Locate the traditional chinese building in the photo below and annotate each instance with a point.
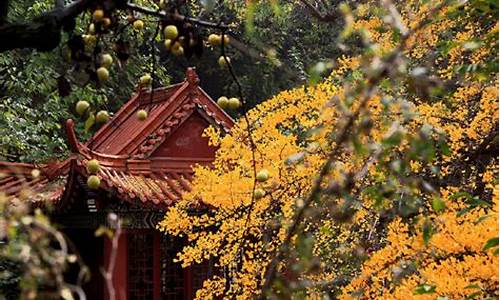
(146, 166)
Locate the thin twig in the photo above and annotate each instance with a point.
(153, 59)
(108, 272)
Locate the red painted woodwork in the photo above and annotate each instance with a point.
(168, 107)
(147, 161)
(187, 141)
(157, 265)
(48, 186)
(172, 279)
(120, 271)
(188, 283)
(141, 265)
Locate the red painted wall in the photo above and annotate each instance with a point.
(187, 141)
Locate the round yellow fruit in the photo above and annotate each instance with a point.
(98, 15)
(171, 32)
(142, 115)
(138, 25)
(263, 175)
(102, 74)
(106, 22)
(222, 61)
(81, 107)
(177, 49)
(93, 166)
(162, 4)
(214, 39)
(93, 182)
(35, 173)
(234, 103)
(89, 39)
(168, 44)
(92, 29)
(102, 117)
(145, 79)
(226, 39)
(259, 193)
(223, 102)
(106, 60)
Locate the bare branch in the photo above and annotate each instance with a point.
(59, 3)
(108, 272)
(44, 32)
(174, 16)
(323, 17)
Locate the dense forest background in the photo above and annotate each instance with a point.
(273, 48)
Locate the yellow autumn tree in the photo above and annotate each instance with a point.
(383, 178)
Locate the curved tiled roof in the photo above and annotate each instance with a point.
(33, 181)
(124, 146)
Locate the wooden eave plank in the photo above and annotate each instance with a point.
(182, 181)
(166, 192)
(172, 185)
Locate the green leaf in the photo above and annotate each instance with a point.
(249, 19)
(208, 5)
(427, 231)
(445, 148)
(473, 286)
(493, 242)
(473, 203)
(460, 195)
(326, 230)
(393, 140)
(424, 289)
(438, 205)
(482, 218)
(473, 295)
(89, 122)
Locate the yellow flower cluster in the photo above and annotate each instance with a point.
(292, 134)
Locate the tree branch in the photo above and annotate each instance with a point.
(323, 17)
(44, 32)
(59, 3)
(4, 10)
(343, 136)
(175, 16)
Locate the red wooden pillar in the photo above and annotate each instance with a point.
(188, 283)
(120, 271)
(157, 264)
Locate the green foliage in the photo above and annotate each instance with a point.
(282, 52)
(10, 272)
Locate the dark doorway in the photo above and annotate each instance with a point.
(91, 250)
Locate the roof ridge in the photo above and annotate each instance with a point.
(153, 120)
